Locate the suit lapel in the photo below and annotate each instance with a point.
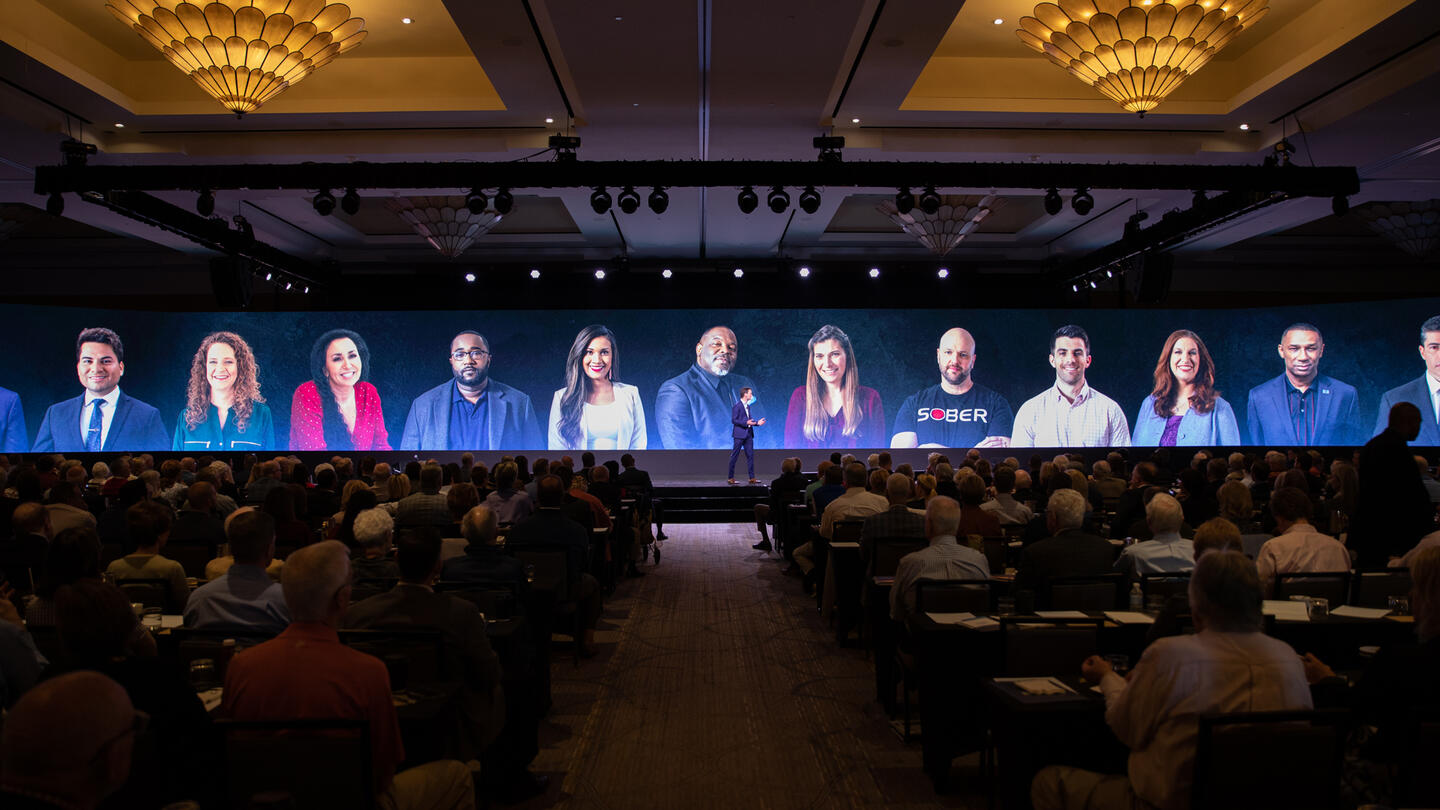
(117, 425)
(440, 417)
(496, 426)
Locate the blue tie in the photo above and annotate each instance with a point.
(97, 423)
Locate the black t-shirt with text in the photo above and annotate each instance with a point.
(951, 420)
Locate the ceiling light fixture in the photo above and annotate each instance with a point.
(629, 200)
(445, 222)
(1244, 127)
(1053, 203)
(778, 200)
(475, 201)
(534, 272)
(1082, 202)
(504, 202)
(119, 125)
(1139, 54)
(600, 273)
(854, 120)
(549, 120)
(874, 272)
(659, 200)
(929, 200)
(350, 203)
(804, 272)
(324, 202)
(739, 272)
(666, 273)
(904, 200)
(470, 277)
(809, 200)
(999, 21)
(943, 272)
(205, 203)
(748, 200)
(236, 52)
(955, 218)
(600, 200)
(406, 20)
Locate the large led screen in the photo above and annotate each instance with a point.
(672, 379)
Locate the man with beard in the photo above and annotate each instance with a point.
(1070, 413)
(958, 412)
(693, 410)
(1303, 407)
(471, 411)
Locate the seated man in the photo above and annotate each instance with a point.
(306, 672)
(944, 558)
(245, 597)
(374, 530)
(510, 505)
(783, 491)
(1069, 551)
(1228, 665)
(148, 524)
(67, 743)
(1010, 511)
(857, 502)
(485, 563)
(1168, 552)
(426, 507)
(897, 522)
(1297, 546)
(197, 522)
(22, 556)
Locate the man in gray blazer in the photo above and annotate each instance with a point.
(471, 411)
(1423, 393)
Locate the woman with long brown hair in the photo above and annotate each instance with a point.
(832, 409)
(1184, 409)
(224, 409)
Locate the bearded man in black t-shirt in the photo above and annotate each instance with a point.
(958, 412)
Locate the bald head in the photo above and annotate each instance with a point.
(67, 737)
(316, 582)
(956, 357)
(942, 517)
(898, 489)
(717, 351)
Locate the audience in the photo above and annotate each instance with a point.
(485, 562)
(1393, 509)
(899, 522)
(943, 559)
(73, 555)
(374, 532)
(974, 520)
(196, 522)
(549, 526)
(1009, 511)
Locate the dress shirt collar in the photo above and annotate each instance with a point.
(942, 540)
(1167, 537)
(110, 398)
(1080, 398)
(1429, 378)
(705, 374)
(456, 396)
(247, 571)
(1303, 527)
(1291, 389)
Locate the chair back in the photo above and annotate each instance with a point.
(1332, 585)
(191, 556)
(952, 595)
(846, 531)
(995, 549)
(420, 652)
(1166, 585)
(492, 600)
(153, 593)
(552, 567)
(1302, 752)
(1374, 588)
(1031, 646)
(366, 587)
(319, 763)
(887, 552)
(1095, 592)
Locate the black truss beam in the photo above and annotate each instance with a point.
(1292, 180)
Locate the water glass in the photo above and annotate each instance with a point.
(151, 618)
(1319, 607)
(1399, 605)
(202, 674)
(1005, 605)
(1155, 603)
(1119, 662)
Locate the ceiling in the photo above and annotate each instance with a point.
(1350, 83)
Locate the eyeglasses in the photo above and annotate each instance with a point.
(138, 724)
(477, 355)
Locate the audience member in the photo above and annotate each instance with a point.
(1297, 547)
(1009, 511)
(148, 524)
(548, 525)
(1070, 551)
(856, 502)
(73, 555)
(485, 562)
(196, 522)
(974, 520)
(784, 491)
(943, 559)
(510, 505)
(374, 532)
(22, 556)
(426, 507)
(243, 597)
(1393, 509)
(67, 509)
(1167, 552)
(281, 504)
(899, 522)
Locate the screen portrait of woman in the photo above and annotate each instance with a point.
(224, 409)
(595, 411)
(832, 409)
(338, 409)
(1184, 409)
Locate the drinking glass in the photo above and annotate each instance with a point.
(1005, 605)
(151, 618)
(1119, 662)
(1319, 607)
(1399, 605)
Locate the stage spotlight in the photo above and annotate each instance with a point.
(629, 201)
(205, 203)
(666, 273)
(534, 272)
(659, 200)
(350, 203)
(600, 200)
(475, 202)
(324, 203)
(809, 200)
(504, 202)
(1340, 204)
(269, 275)
(778, 200)
(874, 272)
(739, 272)
(943, 272)
(288, 285)
(470, 277)
(1093, 285)
(1110, 272)
(306, 290)
(55, 204)
(748, 200)
(804, 272)
(904, 200)
(929, 200)
(1082, 202)
(1075, 288)
(1053, 203)
(600, 273)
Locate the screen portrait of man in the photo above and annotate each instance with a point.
(103, 418)
(692, 410)
(1070, 413)
(13, 438)
(471, 411)
(1423, 393)
(1302, 406)
(957, 412)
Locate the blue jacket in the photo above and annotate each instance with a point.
(1417, 393)
(513, 425)
(1337, 418)
(1196, 429)
(691, 414)
(259, 433)
(13, 438)
(739, 428)
(135, 426)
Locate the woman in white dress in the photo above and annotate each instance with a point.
(595, 411)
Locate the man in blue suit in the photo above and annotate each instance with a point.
(13, 438)
(1302, 406)
(692, 409)
(1423, 393)
(471, 411)
(103, 418)
(743, 430)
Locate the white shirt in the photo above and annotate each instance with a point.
(944, 558)
(1168, 553)
(107, 415)
(854, 502)
(600, 425)
(1300, 549)
(1050, 419)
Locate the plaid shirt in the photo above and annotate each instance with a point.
(1051, 420)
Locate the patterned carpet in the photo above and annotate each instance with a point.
(717, 686)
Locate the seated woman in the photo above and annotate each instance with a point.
(832, 409)
(337, 409)
(595, 411)
(1184, 409)
(224, 409)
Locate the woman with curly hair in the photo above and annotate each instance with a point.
(1184, 408)
(595, 411)
(224, 409)
(336, 409)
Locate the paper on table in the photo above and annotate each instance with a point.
(845, 545)
(1129, 617)
(1061, 614)
(1038, 686)
(980, 622)
(211, 698)
(1286, 610)
(170, 621)
(1356, 612)
(949, 618)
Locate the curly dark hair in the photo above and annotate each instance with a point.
(337, 436)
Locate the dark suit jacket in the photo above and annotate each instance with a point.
(1070, 553)
(549, 526)
(1415, 392)
(1393, 509)
(739, 427)
(689, 411)
(135, 426)
(13, 438)
(513, 425)
(1337, 417)
(635, 480)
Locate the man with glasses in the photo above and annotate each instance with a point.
(471, 411)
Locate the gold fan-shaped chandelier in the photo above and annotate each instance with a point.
(956, 218)
(1136, 51)
(445, 222)
(244, 52)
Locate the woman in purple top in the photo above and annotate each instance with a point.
(1184, 409)
(832, 409)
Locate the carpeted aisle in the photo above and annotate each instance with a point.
(716, 686)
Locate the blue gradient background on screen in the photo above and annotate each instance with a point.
(1371, 346)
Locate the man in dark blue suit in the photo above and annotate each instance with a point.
(103, 418)
(13, 438)
(742, 429)
(691, 409)
(1302, 406)
(1423, 393)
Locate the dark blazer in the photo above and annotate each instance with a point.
(513, 425)
(135, 426)
(1393, 509)
(739, 421)
(1337, 420)
(13, 438)
(689, 411)
(1070, 553)
(1415, 392)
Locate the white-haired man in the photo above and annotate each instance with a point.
(944, 558)
(1167, 552)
